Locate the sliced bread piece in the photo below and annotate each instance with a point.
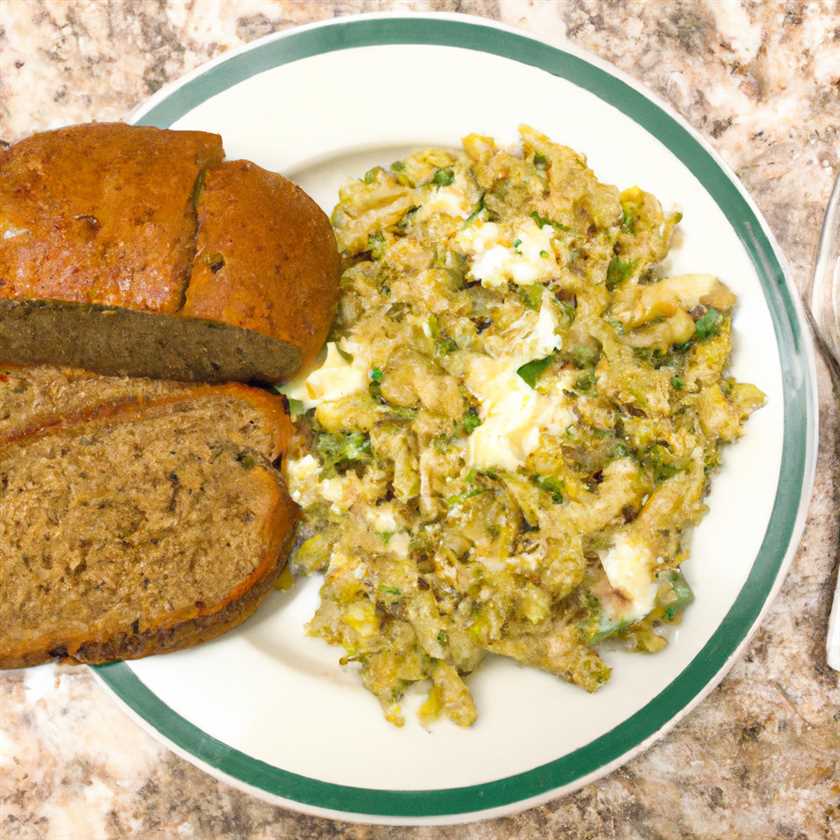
(35, 396)
(131, 250)
(145, 527)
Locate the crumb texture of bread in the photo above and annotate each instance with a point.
(38, 396)
(132, 250)
(140, 526)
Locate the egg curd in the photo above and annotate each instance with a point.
(515, 423)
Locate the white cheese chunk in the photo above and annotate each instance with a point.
(629, 569)
(302, 475)
(449, 201)
(513, 414)
(528, 257)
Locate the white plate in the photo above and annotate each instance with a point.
(268, 708)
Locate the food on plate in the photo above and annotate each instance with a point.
(135, 250)
(516, 422)
(136, 517)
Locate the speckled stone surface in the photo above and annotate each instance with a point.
(760, 758)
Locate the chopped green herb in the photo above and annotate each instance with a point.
(476, 210)
(585, 356)
(376, 244)
(540, 161)
(628, 220)
(460, 498)
(376, 374)
(618, 271)
(516, 244)
(386, 536)
(398, 166)
(531, 295)
(569, 309)
(444, 345)
(677, 383)
(585, 381)
(341, 449)
(542, 221)
(391, 590)
(471, 421)
(621, 450)
(708, 325)
(443, 177)
(443, 637)
(407, 219)
(676, 595)
(552, 486)
(660, 462)
(400, 412)
(544, 254)
(531, 371)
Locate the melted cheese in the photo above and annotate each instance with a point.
(333, 380)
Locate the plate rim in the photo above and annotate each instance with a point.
(794, 485)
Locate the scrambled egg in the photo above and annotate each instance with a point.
(515, 423)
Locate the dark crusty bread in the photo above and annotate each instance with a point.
(102, 213)
(145, 523)
(135, 250)
(289, 291)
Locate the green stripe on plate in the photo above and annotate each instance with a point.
(798, 445)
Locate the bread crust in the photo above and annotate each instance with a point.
(101, 213)
(103, 221)
(287, 290)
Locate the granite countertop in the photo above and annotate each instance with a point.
(760, 758)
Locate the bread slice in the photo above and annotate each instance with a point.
(140, 526)
(102, 213)
(131, 250)
(32, 397)
(287, 291)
